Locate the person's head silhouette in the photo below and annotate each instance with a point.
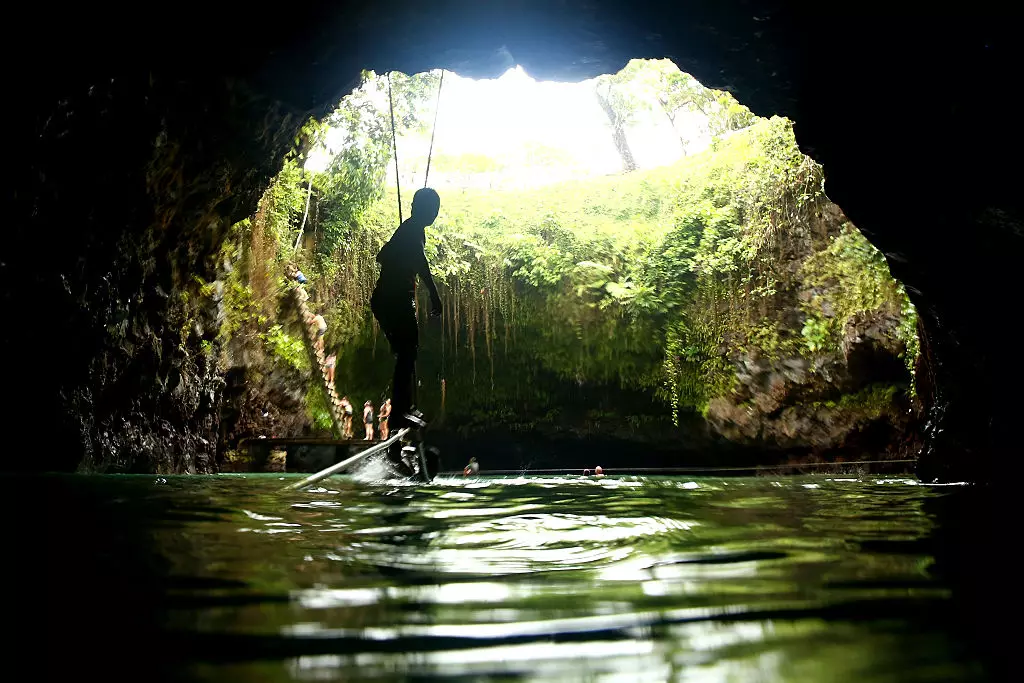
(425, 205)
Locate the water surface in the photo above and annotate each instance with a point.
(570, 578)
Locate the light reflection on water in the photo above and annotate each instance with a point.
(534, 578)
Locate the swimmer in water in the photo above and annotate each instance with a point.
(472, 468)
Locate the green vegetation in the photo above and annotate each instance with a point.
(650, 281)
(316, 407)
(648, 83)
(627, 296)
(329, 205)
(864, 286)
(290, 350)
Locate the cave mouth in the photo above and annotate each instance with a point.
(630, 259)
(143, 148)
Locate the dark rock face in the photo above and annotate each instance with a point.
(848, 399)
(830, 408)
(141, 137)
(261, 398)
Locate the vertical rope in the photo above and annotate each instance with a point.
(394, 145)
(302, 228)
(433, 131)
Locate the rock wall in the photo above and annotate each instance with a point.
(133, 195)
(262, 398)
(849, 399)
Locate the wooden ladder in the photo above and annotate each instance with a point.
(317, 360)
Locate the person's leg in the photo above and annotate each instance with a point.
(402, 383)
(397, 318)
(406, 348)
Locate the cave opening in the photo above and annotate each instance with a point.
(140, 141)
(628, 261)
(137, 167)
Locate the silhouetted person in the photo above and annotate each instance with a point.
(393, 301)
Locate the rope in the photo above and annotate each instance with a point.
(426, 178)
(394, 145)
(433, 131)
(302, 228)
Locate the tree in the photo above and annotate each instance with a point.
(661, 80)
(726, 115)
(620, 106)
(355, 177)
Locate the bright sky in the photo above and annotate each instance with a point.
(505, 117)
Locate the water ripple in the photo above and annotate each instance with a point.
(555, 578)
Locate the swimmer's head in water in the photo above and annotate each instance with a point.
(425, 205)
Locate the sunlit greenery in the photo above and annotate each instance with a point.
(593, 292)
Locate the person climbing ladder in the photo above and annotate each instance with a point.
(321, 330)
(393, 304)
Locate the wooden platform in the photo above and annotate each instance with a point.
(303, 453)
(307, 440)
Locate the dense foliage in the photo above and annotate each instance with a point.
(621, 298)
(327, 209)
(652, 280)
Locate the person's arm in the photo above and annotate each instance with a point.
(428, 279)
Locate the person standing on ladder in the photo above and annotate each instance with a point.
(393, 303)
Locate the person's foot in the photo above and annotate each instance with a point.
(414, 419)
(398, 460)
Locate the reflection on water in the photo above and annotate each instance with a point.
(225, 578)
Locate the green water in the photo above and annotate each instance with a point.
(635, 579)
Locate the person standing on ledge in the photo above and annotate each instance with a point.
(368, 420)
(393, 303)
(346, 419)
(382, 419)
